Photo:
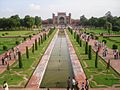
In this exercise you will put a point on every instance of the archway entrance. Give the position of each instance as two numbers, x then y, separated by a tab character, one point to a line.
62	21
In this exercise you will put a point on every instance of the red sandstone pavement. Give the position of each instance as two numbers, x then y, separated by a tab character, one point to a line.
38	74
22	49
58	89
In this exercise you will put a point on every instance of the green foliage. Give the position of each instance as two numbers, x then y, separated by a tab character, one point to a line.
30	36
96	60
39	40
17	42
90	54
86	48
80	42
104	41
38	21
33	49
114	46
36	44
29	21
108	64
74	35
20	60
5	47
27	52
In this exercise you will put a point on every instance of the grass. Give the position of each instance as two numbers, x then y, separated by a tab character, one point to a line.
17	77
18	33
98	77
9	43
111	41
98	31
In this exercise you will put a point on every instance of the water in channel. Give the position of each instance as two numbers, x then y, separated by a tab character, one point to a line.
59	67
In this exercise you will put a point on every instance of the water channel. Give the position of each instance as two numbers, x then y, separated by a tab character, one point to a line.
59	67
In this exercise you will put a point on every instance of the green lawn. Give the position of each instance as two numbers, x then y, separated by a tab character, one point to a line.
98	77
98	31
17	33
19	77
9	43
111	41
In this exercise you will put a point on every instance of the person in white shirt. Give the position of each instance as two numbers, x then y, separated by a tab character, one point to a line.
5	86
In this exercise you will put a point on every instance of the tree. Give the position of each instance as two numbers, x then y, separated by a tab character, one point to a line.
80	42
27	52
36	44
33	49
38	22
90	54
83	20
86	48
108	64
96	60
29	21
108	26
20	60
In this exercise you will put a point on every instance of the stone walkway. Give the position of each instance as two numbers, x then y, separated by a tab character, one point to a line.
38	74
22	49
77	68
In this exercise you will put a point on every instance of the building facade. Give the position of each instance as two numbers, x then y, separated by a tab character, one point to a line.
61	19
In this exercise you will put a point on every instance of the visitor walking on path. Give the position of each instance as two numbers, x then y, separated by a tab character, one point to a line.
3	60
73	83
87	84
68	83
82	86
5	86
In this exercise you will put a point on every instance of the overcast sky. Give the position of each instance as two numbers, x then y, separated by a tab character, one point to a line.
45	8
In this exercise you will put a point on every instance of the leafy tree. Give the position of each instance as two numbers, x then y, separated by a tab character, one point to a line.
83	20
90	54
27	52
108	26
20	60
96	60
29	21
38	21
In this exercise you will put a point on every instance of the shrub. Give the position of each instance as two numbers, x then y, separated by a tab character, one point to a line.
4	47
17	42
104	41
30	36
24	38
114	46
3	34
96	38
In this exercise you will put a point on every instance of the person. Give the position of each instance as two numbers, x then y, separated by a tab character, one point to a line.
5	86
82	86
87	84
3	60
68	83
73	83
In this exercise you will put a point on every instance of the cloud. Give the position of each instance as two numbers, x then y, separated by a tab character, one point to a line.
34	7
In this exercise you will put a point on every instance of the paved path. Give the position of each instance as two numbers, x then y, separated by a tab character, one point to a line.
59	89
77	68
22	49
38	74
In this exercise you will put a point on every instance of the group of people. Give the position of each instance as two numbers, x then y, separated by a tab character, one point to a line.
73	84
11	54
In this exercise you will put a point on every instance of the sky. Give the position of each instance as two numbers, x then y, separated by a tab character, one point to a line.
45	8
